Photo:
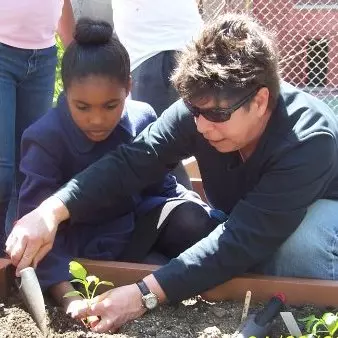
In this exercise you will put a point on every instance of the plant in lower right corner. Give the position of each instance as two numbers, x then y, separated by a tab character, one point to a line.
327	325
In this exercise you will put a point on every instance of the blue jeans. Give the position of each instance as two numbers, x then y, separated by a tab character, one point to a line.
312	250
26	91
151	84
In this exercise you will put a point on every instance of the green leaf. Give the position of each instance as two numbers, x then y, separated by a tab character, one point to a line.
76	280
318	323
329	317
73	293
91	279
77	270
106	283
334	329
331	322
309	321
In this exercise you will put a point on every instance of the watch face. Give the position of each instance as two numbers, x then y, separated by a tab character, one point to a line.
150	301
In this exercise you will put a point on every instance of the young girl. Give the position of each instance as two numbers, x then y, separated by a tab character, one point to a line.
91	118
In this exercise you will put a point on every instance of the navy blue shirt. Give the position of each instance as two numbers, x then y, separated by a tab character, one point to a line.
266	197
54	149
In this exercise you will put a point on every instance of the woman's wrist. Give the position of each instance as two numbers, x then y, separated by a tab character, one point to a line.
155	287
53	207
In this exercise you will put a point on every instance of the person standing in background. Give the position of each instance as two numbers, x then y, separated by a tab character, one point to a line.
153	32
27	75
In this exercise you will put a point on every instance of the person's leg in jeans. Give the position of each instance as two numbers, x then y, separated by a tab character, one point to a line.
312	250
34	76
7	131
151	84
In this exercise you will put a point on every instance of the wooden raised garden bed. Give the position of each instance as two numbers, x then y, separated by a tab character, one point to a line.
298	291
190	319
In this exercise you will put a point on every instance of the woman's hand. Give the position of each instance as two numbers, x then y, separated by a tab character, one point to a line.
33	235
114	308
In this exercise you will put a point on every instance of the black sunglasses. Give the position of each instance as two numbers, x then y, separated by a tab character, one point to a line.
219	114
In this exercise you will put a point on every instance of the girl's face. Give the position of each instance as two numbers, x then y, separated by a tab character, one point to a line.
96	104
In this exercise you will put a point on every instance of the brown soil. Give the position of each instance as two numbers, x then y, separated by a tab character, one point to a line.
192	318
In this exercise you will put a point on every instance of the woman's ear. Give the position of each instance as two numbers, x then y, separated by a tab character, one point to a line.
261	101
129	84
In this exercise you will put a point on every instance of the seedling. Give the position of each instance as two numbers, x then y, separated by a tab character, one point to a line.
326	325
89	283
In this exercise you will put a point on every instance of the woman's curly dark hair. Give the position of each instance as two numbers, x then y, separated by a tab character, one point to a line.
232	56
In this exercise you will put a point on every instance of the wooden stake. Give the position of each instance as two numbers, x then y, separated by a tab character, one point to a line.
246	305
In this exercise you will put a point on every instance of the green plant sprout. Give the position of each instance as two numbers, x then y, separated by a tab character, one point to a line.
326	324
89	283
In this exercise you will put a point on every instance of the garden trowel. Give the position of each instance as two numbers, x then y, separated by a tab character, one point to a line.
31	293
259	325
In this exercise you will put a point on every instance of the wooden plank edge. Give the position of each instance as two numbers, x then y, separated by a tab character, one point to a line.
298	291
4	278
120	273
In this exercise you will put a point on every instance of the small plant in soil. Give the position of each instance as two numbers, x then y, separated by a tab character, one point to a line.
89	285
325	326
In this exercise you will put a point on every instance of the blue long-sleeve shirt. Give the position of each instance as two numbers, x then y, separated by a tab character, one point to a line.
54	149
266	197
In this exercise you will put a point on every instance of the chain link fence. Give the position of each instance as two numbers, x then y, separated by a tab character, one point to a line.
307	35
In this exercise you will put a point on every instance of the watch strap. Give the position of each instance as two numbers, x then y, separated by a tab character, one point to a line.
143	287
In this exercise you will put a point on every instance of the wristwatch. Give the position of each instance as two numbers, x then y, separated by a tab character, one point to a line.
149	299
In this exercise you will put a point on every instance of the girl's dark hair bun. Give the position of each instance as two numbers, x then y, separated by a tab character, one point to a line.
92	32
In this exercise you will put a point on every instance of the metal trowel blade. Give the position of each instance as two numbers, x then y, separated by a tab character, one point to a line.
31	293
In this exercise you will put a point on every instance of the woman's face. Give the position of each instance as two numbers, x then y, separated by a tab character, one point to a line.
96	104
242	130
